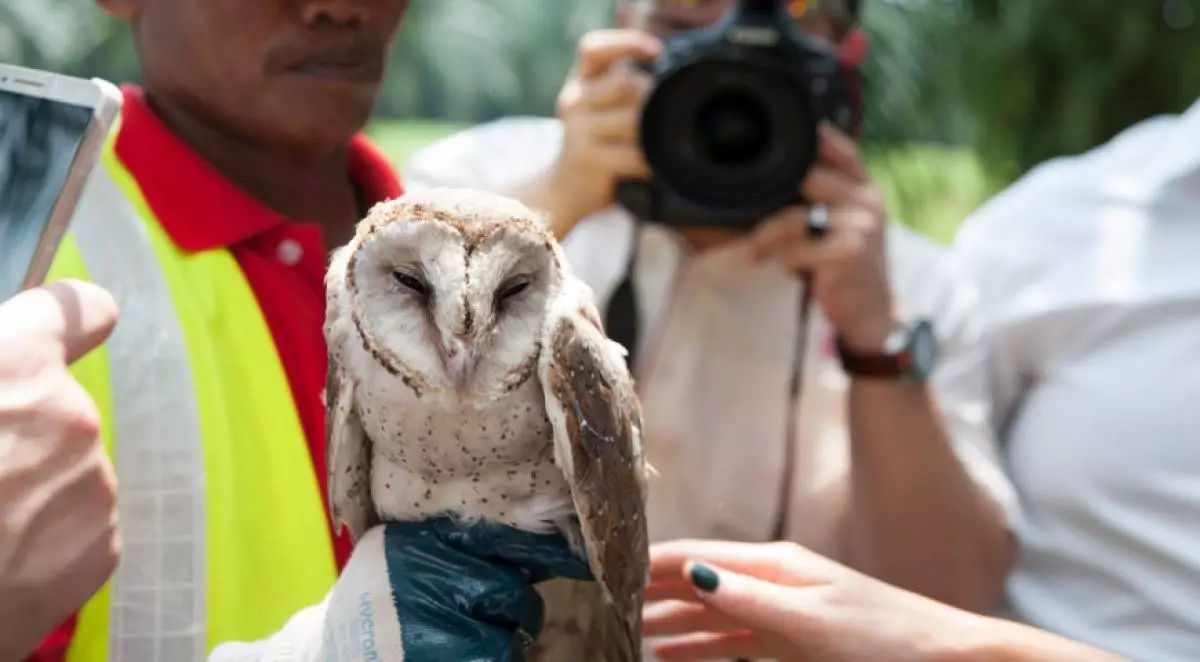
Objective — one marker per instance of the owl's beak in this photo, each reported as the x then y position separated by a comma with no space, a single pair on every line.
460,359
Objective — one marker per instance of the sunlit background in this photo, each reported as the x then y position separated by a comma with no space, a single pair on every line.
964,95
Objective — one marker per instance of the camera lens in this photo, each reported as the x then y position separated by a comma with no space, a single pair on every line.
735,135
732,129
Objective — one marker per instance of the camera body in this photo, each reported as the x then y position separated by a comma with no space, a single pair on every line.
730,128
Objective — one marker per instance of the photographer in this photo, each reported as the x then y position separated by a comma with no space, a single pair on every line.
894,474
58,536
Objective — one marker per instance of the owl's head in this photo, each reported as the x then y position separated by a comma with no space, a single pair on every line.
450,289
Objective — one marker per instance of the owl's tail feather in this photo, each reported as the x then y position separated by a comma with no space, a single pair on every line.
619,639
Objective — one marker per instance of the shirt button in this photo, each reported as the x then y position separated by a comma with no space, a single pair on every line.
289,252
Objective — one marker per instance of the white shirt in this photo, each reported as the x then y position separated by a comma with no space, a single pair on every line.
1089,271
716,351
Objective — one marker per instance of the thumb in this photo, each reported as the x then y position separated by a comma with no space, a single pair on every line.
78,315
749,601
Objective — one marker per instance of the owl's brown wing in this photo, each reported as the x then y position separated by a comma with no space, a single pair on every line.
347,457
594,411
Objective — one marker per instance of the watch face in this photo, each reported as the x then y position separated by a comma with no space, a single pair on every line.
923,350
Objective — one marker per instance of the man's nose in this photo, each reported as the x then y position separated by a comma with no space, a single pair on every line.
336,12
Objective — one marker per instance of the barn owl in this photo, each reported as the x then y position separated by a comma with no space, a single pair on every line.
469,375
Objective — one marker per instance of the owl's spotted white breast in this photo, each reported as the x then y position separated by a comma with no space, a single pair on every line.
469,376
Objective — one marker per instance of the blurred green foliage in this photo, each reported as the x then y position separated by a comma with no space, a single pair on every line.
1051,77
400,138
963,95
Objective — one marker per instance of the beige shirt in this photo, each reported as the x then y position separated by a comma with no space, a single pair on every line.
716,352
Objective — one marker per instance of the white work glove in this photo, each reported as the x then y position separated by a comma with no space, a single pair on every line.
357,618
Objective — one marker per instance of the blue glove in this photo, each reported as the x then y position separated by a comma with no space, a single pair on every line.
465,591
426,592
432,591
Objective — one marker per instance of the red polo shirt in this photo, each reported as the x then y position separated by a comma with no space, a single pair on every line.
283,261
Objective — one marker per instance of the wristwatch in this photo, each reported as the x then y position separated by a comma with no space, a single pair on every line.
909,354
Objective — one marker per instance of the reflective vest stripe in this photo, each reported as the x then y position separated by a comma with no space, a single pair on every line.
90,641
280,559
221,514
157,609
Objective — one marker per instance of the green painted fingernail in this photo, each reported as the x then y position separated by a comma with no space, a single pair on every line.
704,577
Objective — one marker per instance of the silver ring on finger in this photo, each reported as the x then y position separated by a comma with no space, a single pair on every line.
817,224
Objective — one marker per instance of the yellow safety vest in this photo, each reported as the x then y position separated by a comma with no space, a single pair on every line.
224,531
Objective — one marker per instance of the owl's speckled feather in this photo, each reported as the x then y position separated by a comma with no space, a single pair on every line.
469,375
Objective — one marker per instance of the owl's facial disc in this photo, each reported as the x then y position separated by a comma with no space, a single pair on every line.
464,307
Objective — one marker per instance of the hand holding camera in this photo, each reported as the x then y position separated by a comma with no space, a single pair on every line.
729,129
848,262
600,107
744,128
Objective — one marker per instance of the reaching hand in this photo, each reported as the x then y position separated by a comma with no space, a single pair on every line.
785,602
58,535
724,600
782,601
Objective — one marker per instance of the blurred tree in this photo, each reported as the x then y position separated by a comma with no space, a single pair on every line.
1045,78
910,94
474,60
69,36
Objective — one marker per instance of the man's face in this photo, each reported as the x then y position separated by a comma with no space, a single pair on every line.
300,73
666,17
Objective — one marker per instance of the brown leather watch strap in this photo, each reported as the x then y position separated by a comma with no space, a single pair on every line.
874,365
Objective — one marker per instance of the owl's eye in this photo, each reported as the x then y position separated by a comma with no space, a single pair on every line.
411,282
512,289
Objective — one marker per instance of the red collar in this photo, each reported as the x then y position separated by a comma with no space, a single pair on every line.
197,206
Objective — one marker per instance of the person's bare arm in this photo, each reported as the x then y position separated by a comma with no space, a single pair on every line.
997,640
916,518
546,193
931,447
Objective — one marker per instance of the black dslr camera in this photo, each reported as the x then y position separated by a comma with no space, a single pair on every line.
729,130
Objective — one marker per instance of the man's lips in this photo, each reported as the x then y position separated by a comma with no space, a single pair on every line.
350,66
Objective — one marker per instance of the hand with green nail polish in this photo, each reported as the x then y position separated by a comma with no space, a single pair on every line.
715,600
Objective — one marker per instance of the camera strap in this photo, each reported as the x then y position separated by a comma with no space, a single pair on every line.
621,317
791,409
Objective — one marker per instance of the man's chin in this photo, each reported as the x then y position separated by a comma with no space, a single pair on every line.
320,123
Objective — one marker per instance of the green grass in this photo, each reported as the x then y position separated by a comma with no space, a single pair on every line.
400,138
929,188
